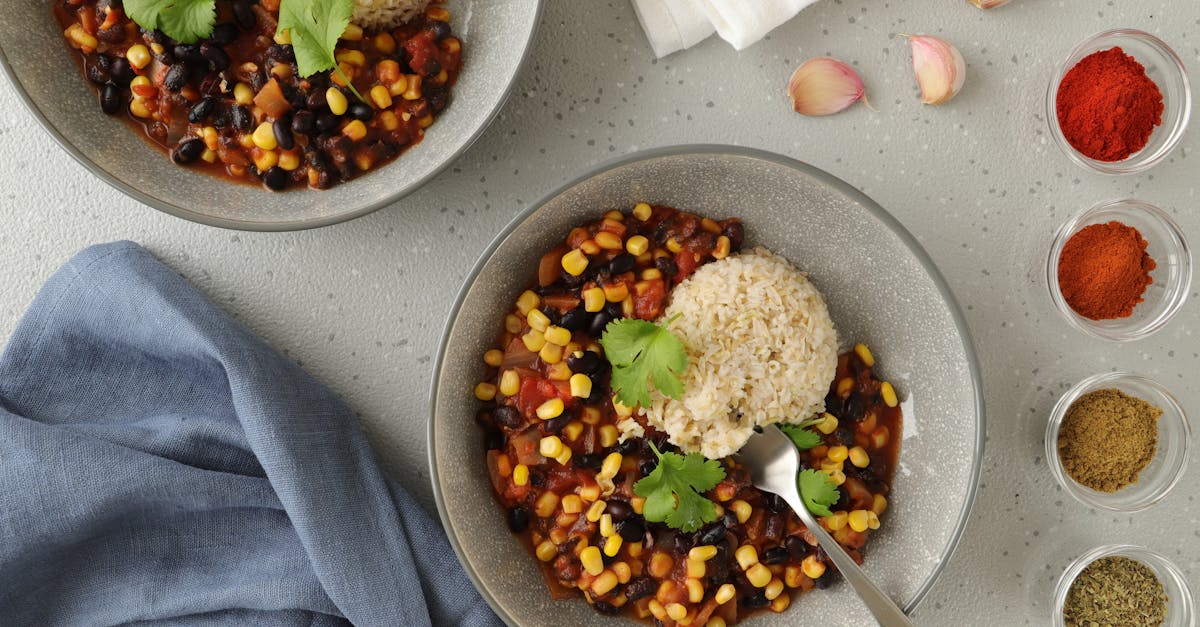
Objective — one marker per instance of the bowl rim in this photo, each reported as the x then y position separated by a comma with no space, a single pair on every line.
825,178
1072,226
179,211
1059,411
1132,551
1125,166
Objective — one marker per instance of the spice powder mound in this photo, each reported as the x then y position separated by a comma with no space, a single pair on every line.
1115,591
1104,270
1107,438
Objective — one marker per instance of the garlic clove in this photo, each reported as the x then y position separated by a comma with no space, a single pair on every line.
989,4
939,67
824,86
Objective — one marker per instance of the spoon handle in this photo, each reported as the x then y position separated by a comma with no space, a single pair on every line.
880,604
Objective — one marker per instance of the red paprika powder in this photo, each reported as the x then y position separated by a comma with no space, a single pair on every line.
1104,270
1107,106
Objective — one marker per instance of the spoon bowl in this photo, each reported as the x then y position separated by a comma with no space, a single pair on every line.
774,462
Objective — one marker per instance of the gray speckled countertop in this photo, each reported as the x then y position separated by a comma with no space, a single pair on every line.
978,181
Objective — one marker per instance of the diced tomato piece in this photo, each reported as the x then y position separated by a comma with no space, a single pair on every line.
536,390
561,302
649,304
270,99
687,263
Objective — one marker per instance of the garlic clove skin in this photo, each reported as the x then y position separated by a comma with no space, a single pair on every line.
939,66
989,4
824,86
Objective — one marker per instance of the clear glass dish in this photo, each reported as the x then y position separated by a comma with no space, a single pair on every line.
1160,475
1163,66
1181,611
1172,275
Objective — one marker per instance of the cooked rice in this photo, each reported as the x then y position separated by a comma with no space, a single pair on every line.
761,349
376,14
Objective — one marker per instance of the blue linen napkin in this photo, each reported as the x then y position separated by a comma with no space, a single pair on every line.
159,462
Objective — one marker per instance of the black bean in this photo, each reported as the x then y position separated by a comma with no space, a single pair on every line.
719,566
439,30
188,52
589,461
283,133
493,439
586,363
796,547
647,466
327,122
97,74
667,266
774,555
736,234
827,579
554,425
711,534
201,110
758,599
216,56
432,67
360,111
176,78
276,179
620,510
114,34
224,33
188,150
241,117
244,15
110,99
303,122
622,263
576,319
317,101
632,529
608,609
599,321
437,96
614,310
629,446
282,53
508,416
121,71
775,503
518,519
683,544
640,588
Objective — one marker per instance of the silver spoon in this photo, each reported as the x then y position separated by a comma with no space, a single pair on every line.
774,462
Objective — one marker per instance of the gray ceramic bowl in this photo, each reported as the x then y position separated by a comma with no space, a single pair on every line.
496,37
882,289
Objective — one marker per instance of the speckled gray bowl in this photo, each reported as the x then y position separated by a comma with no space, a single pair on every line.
496,37
882,289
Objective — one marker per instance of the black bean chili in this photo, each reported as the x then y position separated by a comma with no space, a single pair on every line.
565,480
235,105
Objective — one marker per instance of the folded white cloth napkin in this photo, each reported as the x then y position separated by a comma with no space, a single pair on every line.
673,25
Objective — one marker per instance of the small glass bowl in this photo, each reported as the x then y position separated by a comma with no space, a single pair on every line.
1172,275
1164,470
1163,66
1180,608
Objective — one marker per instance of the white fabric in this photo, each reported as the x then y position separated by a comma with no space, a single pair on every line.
673,25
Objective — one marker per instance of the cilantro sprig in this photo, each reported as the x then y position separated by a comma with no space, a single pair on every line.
673,491
802,436
818,492
643,353
315,26
185,21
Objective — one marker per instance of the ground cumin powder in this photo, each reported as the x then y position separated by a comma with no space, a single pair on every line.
1107,438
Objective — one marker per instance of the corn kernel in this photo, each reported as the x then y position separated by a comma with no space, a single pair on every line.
627,307
792,575
208,156
592,562
608,241
859,457
858,520
888,393
641,211
558,535
412,88
138,56
742,510
559,371
879,504
634,549
781,603
452,45
715,621
485,391
138,108
758,575
835,522
606,525
594,512
353,32
566,520
573,430
695,590
551,353
557,335
243,94
746,556
616,292
622,410
575,262
593,299
380,97
774,589
879,437
837,453
812,567
829,425
546,551
608,436
722,248
520,474
550,446
355,130
724,594
612,545
637,503
611,465
351,57
289,160
572,504
660,564
637,245
864,354
493,357
533,340
589,247
695,568
676,611
439,14
264,137
581,385
527,302
844,386
703,553
837,477
623,572
337,101
281,71
510,383
830,466
552,408
265,159
385,43
657,609
589,492
650,274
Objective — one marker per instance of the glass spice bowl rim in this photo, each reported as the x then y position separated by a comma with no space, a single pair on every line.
1172,410
1141,160
1173,582
1175,296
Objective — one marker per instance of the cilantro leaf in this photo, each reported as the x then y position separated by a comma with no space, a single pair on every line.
818,492
803,437
185,21
315,27
673,490
642,353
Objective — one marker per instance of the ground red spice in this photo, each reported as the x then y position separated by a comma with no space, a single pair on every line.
1104,270
1107,106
